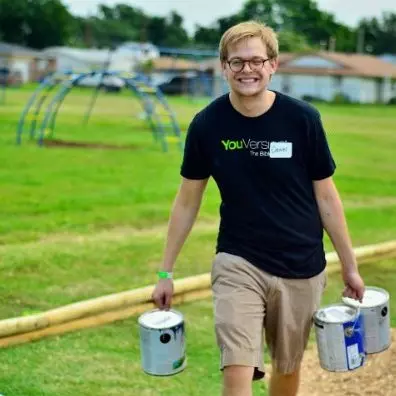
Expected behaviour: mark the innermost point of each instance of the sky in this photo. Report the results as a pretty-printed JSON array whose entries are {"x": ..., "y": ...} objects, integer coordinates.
[{"x": 204, "y": 12}]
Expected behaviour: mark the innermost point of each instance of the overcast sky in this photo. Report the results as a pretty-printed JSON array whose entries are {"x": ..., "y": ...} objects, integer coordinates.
[{"x": 204, "y": 12}]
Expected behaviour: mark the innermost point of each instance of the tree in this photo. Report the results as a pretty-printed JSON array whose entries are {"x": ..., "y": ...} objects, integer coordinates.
[
  {"x": 156, "y": 30},
  {"x": 120, "y": 23},
  {"x": 35, "y": 23},
  {"x": 319, "y": 27},
  {"x": 265, "y": 11},
  {"x": 206, "y": 36},
  {"x": 176, "y": 35},
  {"x": 292, "y": 42},
  {"x": 378, "y": 36}
]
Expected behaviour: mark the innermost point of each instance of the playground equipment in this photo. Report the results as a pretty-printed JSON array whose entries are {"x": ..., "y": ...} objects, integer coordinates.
[{"x": 153, "y": 102}]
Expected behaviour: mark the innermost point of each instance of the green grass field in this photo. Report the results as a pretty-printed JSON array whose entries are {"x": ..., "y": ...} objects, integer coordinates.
[{"x": 78, "y": 223}]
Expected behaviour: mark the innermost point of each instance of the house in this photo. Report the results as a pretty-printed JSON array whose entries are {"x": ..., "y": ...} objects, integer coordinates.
[
  {"x": 165, "y": 68},
  {"x": 327, "y": 75},
  {"x": 84, "y": 60},
  {"x": 389, "y": 58},
  {"x": 125, "y": 57},
  {"x": 18, "y": 62},
  {"x": 141, "y": 51},
  {"x": 81, "y": 60}
]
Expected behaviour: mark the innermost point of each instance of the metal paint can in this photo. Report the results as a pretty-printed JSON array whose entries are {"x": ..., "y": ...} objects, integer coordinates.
[
  {"x": 376, "y": 318},
  {"x": 339, "y": 337},
  {"x": 162, "y": 342}
]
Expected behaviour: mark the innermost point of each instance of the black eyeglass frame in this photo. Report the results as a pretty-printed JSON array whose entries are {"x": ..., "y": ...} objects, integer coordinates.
[{"x": 244, "y": 61}]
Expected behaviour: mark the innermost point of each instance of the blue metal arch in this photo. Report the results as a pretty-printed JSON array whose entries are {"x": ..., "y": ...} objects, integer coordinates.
[
  {"x": 40, "y": 95},
  {"x": 140, "y": 87}
]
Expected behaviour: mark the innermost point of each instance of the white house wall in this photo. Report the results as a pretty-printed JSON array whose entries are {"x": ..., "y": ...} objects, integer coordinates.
[
  {"x": 323, "y": 87},
  {"x": 66, "y": 63},
  {"x": 361, "y": 90},
  {"x": 4, "y": 61},
  {"x": 368, "y": 91},
  {"x": 276, "y": 82},
  {"x": 21, "y": 66},
  {"x": 352, "y": 87},
  {"x": 388, "y": 91}
]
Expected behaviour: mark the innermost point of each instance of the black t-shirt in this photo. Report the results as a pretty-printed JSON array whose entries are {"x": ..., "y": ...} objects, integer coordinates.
[{"x": 264, "y": 167}]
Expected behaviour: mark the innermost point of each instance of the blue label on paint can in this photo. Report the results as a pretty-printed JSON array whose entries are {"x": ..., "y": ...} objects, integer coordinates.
[{"x": 354, "y": 343}]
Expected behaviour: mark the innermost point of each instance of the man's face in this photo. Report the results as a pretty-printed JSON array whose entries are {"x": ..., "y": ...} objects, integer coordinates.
[{"x": 248, "y": 78}]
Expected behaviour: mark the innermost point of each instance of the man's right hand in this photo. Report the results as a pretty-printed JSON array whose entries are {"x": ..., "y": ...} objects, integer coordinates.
[{"x": 162, "y": 294}]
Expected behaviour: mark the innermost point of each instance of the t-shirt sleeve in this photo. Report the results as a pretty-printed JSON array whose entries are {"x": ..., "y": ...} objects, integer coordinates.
[
  {"x": 195, "y": 164},
  {"x": 321, "y": 161}
]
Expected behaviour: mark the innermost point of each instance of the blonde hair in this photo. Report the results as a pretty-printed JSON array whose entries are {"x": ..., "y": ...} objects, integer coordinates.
[{"x": 249, "y": 29}]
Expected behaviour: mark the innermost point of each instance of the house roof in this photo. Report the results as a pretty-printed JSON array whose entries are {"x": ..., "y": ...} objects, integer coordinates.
[
  {"x": 14, "y": 49},
  {"x": 86, "y": 55},
  {"x": 91, "y": 58},
  {"x": 348, "y": 65},
  {"x": 345, "y": 65},
  {"x": 169, "y": 63},
  {"x": 389, "y": 58}
]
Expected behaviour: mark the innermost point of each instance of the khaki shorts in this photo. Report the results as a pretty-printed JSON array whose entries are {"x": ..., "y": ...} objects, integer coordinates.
[{"x": 250, "y": 305}]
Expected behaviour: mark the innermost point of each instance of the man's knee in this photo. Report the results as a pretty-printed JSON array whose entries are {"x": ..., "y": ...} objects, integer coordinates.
[
  {"x": 286, "y": 371},
  {"x": 284, "y": 382},
  {"x": 237, "y": 380}
]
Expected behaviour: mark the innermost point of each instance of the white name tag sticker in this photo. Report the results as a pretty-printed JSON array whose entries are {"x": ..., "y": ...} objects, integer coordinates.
[{"x": 281, "y": 150}]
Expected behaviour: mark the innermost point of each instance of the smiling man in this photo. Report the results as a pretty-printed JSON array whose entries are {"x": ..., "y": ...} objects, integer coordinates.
[{"x": 270, "y": 158}]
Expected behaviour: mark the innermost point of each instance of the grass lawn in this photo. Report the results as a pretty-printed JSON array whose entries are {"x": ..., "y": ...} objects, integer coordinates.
[{"x": 79, "y": 223}]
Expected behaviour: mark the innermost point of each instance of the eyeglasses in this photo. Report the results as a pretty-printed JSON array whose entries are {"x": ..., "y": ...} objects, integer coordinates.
[{"x": 255, "y": 64}]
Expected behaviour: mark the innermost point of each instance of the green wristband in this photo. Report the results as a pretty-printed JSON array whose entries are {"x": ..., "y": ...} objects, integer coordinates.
[{"x": 165, "y": 275}]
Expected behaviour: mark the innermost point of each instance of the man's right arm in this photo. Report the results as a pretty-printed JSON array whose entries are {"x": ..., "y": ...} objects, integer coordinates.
[
  {"x": 183, "y": 215},
  {"x": 184, "y": 212}
]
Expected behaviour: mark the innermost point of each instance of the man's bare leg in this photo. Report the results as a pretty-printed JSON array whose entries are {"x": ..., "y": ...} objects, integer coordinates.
[
  {"x": 237, "y": 381},
  {"x": 284, "y": 384}
]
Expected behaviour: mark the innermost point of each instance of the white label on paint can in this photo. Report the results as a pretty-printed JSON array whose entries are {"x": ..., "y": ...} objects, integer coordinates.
[{"x": 353, "y": 356}]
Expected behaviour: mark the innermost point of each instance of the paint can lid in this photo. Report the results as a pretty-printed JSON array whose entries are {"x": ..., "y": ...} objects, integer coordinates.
[
  {"x": 372, "y": 298},
  {"x": 337, "y": 313},
  {"x": 160, "y": 319}
]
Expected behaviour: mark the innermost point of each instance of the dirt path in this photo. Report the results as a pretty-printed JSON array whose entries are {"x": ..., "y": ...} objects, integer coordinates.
[{"x": 376, "y": 378}]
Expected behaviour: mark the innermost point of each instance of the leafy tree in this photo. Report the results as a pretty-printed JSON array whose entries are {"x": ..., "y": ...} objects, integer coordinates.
[
  {"x": 265, "y": 11},
  {"x": 176, "y": 35},
  {"x": 35, "y": 23},
  {"x": 378, "y": 35},
  {"x": 206, "y": 36},
  {"x": 319, "y": 27},
  {"x": 300, "y": 24},
  {"x": 292, "y": 42}
]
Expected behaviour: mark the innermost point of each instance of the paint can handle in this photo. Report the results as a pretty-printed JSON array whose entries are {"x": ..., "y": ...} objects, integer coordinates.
[{"x": 357, "y": 318}]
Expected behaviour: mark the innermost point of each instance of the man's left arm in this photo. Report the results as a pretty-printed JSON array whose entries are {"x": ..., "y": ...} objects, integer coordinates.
[{"x": 334, "y": 222}]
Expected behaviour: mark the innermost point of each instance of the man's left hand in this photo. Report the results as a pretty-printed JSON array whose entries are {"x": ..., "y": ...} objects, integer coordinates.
[{"x": 354, "y": 285}]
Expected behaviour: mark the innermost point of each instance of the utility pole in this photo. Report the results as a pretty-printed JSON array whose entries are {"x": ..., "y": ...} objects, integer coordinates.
[
  {"x": 360, "y": 41},
  {"x": 332, "y": 44}
]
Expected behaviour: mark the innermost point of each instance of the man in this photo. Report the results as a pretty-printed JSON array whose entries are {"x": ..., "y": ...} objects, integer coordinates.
[{"x": 269, "y": 156}]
